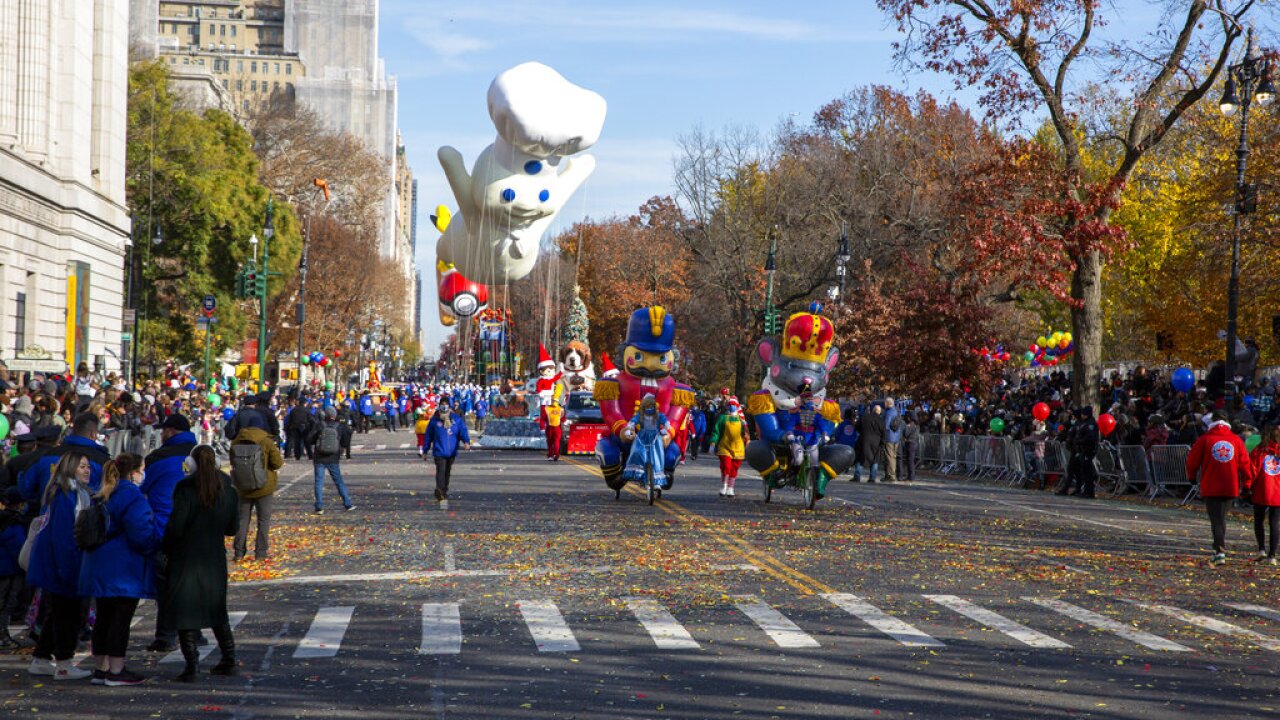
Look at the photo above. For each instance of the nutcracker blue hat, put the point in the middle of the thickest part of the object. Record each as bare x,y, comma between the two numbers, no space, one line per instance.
651,329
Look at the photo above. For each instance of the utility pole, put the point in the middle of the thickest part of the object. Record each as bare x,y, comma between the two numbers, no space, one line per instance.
770,269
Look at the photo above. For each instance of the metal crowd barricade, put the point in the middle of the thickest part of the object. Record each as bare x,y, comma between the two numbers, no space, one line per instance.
1169,471
1107,464
1136,468
949,453
1015,461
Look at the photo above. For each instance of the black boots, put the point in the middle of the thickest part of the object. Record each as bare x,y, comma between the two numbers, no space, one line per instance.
227,646
187,640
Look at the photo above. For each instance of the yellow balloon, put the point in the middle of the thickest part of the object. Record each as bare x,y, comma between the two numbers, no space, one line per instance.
1066,336
1042,342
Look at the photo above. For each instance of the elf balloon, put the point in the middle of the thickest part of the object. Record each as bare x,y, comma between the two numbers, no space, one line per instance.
519,183
648,360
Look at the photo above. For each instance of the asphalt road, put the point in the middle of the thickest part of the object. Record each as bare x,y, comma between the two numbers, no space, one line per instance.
536,594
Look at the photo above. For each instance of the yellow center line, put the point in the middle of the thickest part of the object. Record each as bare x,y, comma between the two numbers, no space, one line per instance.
767,563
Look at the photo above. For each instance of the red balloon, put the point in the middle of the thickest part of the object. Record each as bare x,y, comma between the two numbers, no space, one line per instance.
337,353
1040,411
1106,424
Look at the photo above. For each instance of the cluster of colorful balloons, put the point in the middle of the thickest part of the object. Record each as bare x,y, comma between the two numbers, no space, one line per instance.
1051,350
319,358
997,355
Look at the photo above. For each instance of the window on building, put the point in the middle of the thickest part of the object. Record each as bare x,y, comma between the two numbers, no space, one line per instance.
239,66
191,30
233,31
254,66
277,68
20,322
225,84
239,86
288,87
222,30
213,30
253,85
288,68
245,105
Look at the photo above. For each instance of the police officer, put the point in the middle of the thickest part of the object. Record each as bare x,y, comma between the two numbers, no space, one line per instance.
1082,441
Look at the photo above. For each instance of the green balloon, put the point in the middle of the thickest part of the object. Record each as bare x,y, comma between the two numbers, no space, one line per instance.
328,386
215,399
996,425
4,427
1250,442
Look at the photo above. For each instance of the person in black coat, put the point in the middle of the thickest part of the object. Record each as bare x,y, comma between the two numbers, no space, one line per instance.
297,426
871,441
1082,441
206,510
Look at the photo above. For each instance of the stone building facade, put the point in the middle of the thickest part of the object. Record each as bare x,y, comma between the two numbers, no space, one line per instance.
64,227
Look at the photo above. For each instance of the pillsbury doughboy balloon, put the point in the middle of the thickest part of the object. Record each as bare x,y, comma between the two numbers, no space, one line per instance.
521,181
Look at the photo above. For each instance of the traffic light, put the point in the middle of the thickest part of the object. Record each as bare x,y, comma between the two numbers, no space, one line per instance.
258,283
240,285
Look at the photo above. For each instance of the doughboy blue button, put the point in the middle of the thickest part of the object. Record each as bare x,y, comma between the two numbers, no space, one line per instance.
508,195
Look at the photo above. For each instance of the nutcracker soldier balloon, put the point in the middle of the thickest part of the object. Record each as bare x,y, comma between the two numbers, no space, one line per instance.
791,407
648,360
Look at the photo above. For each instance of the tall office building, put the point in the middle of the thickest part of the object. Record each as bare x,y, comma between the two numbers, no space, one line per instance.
64,227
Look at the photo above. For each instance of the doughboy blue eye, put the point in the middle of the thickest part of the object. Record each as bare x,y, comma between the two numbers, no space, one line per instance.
533,167
544,195
508,195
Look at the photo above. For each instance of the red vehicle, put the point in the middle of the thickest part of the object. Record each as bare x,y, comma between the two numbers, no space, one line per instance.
583,425
460,297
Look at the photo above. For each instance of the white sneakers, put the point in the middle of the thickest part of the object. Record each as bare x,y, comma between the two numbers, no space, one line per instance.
728,491
40,666
71,672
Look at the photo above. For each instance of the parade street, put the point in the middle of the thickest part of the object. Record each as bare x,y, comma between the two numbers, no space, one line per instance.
535,594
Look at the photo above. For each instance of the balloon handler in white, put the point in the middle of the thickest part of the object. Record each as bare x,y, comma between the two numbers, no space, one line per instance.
519,183
650,433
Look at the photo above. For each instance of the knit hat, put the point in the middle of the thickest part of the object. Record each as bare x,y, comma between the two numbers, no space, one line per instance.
608,369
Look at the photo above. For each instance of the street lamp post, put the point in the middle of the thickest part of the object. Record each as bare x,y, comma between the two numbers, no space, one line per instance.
321,186
268,230
770,269
843,256
1247,81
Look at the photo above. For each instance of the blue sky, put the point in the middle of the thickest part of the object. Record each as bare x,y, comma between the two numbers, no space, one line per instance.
663,67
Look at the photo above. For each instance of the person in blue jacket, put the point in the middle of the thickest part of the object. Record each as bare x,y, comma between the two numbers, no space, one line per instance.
847,430
366,412
445,433
119,572
805,430
482,412
82,440
698,423
163,473
13,534
54,567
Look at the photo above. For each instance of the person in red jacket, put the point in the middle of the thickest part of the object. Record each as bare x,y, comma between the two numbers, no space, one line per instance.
1220,458
1264,485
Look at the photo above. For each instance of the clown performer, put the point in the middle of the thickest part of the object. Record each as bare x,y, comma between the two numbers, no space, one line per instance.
654,432
730,438
796,372
648,360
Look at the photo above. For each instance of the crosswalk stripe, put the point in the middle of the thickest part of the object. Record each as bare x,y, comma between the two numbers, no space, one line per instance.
885,623
405,446
176,656
784,632
441,629
547,626
324,638
379,447
1213,625
666,631
1102,622
1258,610
998,622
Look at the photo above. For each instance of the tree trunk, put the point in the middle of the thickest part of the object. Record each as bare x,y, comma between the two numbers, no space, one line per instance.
741,362
1086,330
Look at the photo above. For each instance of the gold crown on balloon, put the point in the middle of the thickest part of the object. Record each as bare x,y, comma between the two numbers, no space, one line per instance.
807,337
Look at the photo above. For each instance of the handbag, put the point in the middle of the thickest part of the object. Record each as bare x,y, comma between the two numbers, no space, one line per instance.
37,524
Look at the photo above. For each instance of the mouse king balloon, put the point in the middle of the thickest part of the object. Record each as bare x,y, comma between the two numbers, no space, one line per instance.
519,183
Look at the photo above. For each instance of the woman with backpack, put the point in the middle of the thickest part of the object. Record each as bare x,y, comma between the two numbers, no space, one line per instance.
54,567
194,593
255,465
118,573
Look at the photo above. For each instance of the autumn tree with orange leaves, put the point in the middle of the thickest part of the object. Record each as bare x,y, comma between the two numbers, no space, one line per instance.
1028,55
